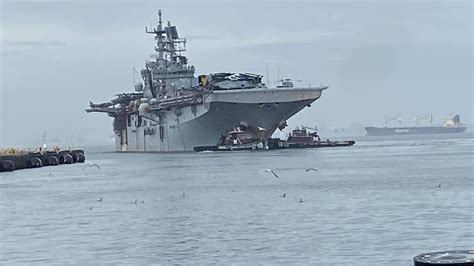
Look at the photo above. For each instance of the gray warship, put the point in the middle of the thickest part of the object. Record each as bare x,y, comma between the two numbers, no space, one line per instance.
173,110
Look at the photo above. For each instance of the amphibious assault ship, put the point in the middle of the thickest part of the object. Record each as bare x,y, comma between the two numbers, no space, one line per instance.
172,110
450,125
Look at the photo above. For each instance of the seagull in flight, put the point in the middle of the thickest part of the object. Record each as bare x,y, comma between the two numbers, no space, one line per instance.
91,165
100,199
311,169
300,200
270,171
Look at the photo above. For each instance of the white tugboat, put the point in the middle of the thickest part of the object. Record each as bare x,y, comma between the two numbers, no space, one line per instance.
172,110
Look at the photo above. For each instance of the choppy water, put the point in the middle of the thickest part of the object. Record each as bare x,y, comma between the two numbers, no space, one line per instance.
375,203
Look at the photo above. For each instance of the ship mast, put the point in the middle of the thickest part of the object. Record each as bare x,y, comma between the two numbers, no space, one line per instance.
168,44
158,32
170,71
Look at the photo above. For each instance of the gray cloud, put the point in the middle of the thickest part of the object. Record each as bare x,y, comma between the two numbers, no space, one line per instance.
203,37
33,44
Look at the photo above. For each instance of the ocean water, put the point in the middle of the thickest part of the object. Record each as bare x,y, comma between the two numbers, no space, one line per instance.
379,202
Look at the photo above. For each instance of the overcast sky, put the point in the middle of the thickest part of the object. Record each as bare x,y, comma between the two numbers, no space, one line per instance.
380,58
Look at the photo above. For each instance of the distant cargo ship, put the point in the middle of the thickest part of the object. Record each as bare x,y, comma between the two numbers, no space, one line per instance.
450,125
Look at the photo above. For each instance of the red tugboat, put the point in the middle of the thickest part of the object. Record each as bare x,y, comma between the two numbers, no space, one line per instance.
240,139
237,139
300,138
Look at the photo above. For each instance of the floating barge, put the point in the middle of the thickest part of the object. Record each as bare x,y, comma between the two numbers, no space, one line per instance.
16,161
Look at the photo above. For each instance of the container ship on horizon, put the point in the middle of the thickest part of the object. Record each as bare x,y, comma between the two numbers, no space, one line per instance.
450,125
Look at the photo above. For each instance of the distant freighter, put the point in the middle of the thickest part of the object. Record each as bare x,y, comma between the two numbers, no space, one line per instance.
450,125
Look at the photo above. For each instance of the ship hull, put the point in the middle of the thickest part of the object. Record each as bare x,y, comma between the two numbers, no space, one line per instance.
390,131
182,129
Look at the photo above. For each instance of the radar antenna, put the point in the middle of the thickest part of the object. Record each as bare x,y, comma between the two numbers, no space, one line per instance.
169,72
315,128
159,17
168,44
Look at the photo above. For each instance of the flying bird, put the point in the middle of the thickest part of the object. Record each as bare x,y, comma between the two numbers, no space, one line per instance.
270,171
301,200
311,169
100,199
91,165
284,195
439,185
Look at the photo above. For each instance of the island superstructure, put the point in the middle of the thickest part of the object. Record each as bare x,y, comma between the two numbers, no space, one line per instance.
172,110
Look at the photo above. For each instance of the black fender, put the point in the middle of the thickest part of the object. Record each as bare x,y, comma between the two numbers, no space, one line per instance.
53,160
34,162
8,166
68,158
80,157
74,157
